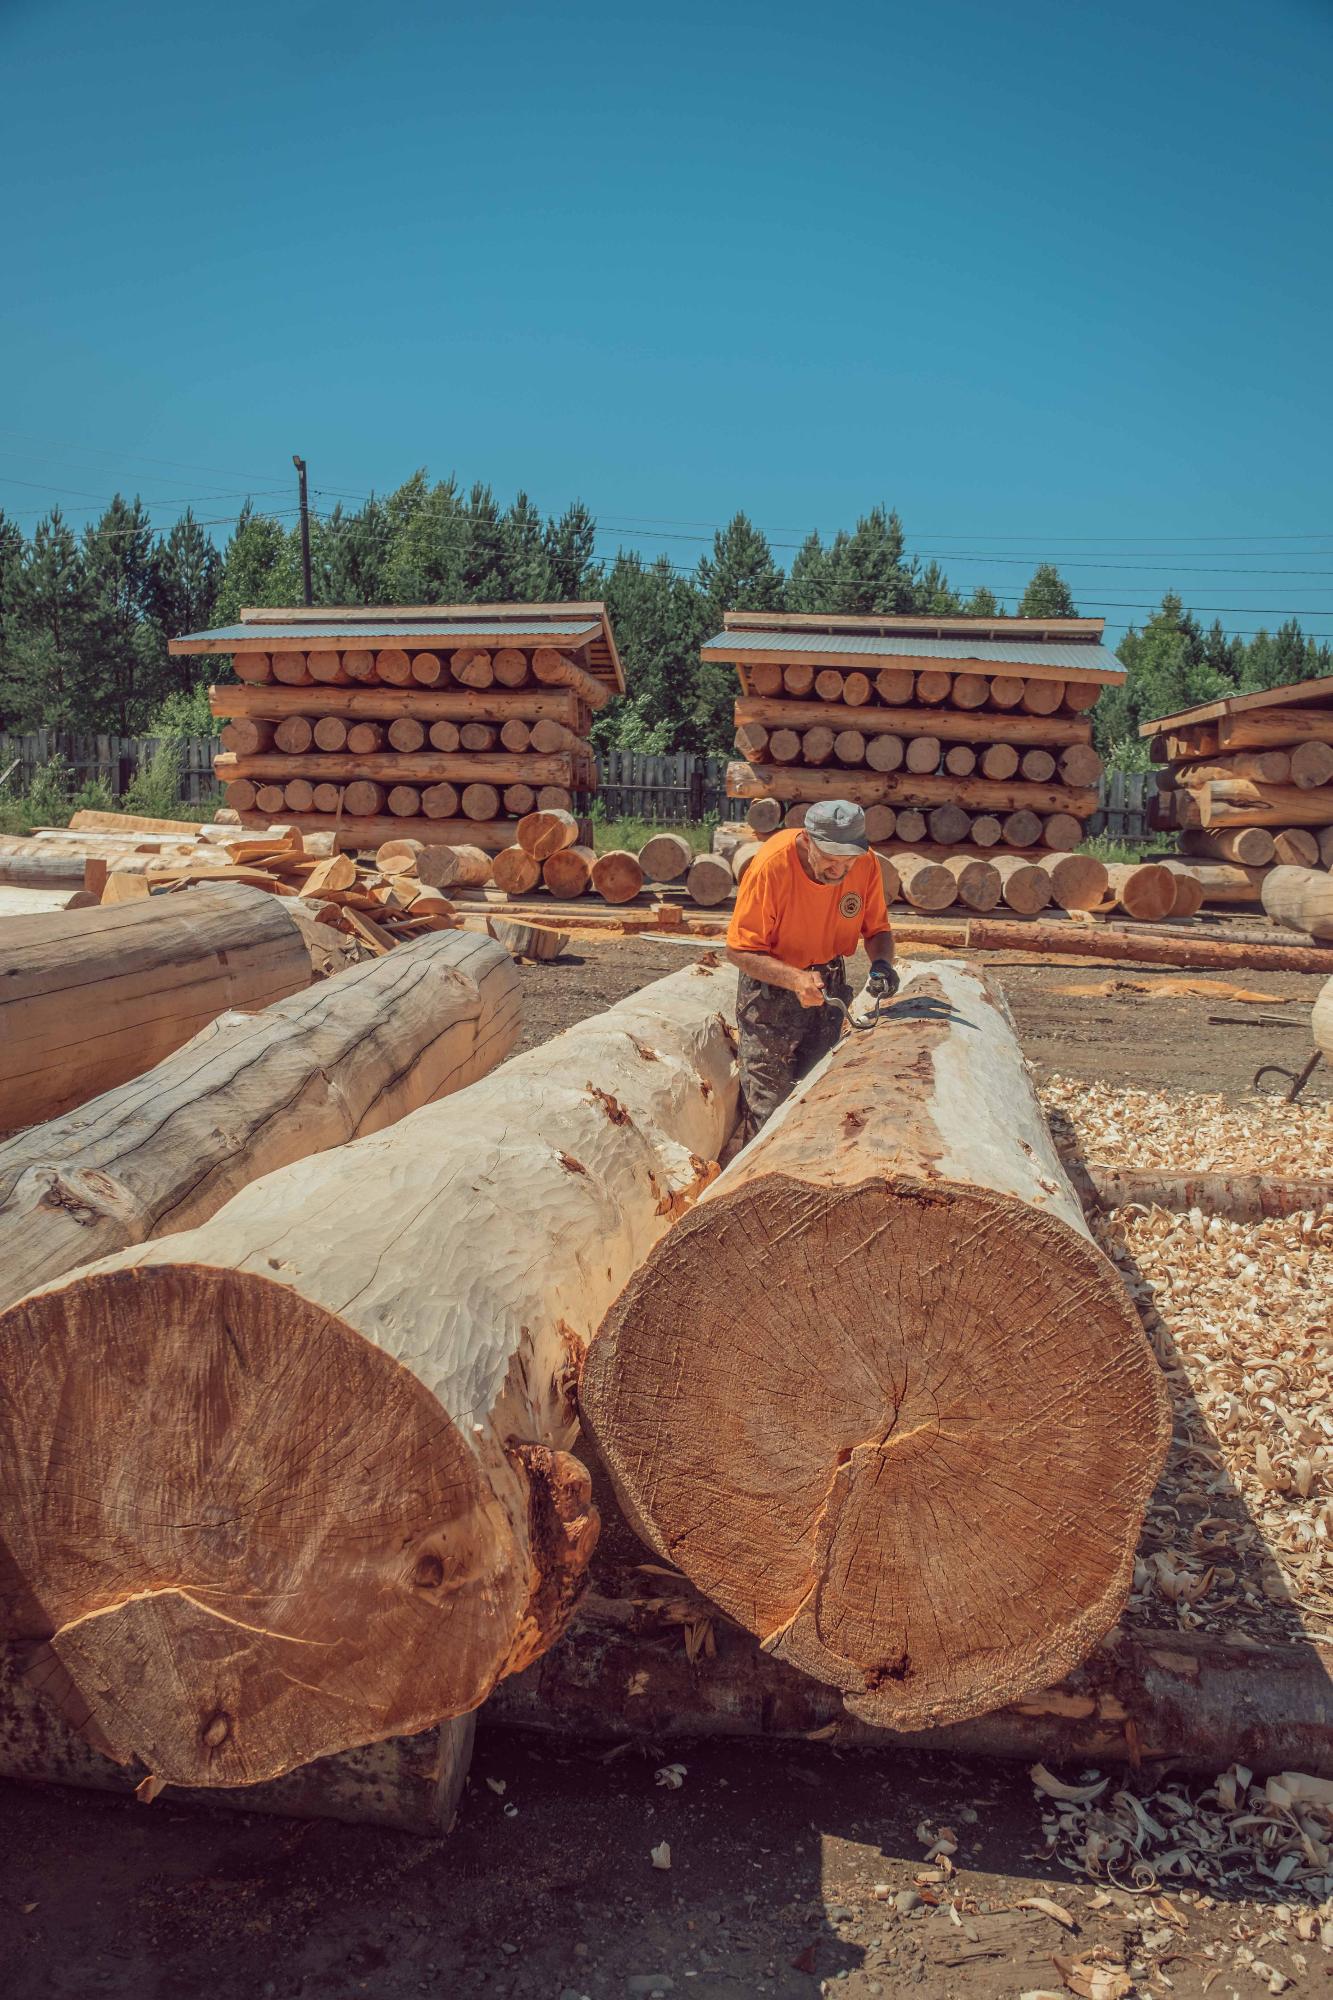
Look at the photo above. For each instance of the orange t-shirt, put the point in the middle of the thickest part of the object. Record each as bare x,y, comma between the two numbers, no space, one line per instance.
779,910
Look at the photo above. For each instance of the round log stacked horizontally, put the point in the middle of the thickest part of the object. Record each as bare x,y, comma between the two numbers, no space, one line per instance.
1249,789
953,763
452,745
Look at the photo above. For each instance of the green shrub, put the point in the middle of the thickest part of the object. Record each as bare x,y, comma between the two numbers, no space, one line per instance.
155,789
48,801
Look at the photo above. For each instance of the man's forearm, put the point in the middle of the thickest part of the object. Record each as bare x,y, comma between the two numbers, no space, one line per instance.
762,965
880,946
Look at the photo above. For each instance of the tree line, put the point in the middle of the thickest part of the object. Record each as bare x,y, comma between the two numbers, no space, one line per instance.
85,619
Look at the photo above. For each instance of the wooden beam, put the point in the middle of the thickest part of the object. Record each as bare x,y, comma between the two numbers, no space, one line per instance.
718,654
352,835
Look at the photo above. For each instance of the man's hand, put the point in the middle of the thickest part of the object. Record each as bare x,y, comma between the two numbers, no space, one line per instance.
808,988
884,978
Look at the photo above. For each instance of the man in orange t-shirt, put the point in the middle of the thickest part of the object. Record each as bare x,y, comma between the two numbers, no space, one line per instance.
805,902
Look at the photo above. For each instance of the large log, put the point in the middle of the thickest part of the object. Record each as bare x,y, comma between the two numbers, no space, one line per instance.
1251,846
1297,847
926,885
355,832
1321,1020
384,703
1139,947
1260,728
1224,882
1143,889
89,998
46,864
1301,898
391,767
1261,767
1239,802
1026,887
950,725
460,867
297,1480
665,858
748,781
251,1093
879,1395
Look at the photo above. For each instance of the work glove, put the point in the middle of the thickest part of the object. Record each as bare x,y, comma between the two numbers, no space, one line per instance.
883,979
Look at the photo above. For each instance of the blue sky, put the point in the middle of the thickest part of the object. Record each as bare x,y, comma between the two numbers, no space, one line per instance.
1051,279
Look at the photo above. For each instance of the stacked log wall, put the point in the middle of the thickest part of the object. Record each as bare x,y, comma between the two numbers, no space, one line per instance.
444,744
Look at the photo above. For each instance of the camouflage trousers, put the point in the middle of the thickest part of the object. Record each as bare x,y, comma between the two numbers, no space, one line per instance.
781,1041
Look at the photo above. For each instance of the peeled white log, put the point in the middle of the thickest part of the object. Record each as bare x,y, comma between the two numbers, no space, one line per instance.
91,997
879,1395
1321,1020
252,1093
296,1480
1301,898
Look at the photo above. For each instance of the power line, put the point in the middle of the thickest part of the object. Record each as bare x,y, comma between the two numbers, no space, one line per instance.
103,451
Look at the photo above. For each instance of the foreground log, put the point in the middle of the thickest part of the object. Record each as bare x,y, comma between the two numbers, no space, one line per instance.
927,1493
89,998
249,1094
297,1480
1301,898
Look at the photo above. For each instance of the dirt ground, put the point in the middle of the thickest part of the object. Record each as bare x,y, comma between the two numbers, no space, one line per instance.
792,1868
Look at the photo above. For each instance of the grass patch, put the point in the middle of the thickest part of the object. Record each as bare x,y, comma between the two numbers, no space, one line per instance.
632,834
1107,847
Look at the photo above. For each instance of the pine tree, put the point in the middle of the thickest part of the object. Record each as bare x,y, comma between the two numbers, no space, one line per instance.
983,603
660,624
739,575
867,569
526,565
484,578
569,554
261,565
935,593
182,589
357,555
124,671
809,581
1047,595
46,638
428,539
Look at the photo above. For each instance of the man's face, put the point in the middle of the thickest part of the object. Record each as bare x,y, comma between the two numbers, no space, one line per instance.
825,867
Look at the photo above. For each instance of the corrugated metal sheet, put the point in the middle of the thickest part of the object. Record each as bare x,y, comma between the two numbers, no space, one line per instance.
872,645
408,628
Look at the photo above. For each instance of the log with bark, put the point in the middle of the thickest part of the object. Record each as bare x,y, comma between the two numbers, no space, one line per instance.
355,831
978,881
1189,890
1142,889
926,885
1301,898
89,998
1240,1197
764,815
879,1395
1137,946
298,1479
515,871
545,833
419,767
250,1093
1026,887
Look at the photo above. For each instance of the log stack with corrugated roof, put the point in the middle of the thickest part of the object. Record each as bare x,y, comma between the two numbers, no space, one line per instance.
964,738
1246,785
446,723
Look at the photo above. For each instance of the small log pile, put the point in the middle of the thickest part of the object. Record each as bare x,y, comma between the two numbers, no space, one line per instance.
371,722
1246,784
957,750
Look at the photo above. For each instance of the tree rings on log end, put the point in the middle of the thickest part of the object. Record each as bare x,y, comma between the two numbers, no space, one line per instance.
253,1536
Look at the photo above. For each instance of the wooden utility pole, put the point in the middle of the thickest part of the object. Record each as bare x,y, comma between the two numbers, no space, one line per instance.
308,596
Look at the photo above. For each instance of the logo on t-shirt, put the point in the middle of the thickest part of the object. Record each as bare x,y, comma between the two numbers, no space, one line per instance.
850,906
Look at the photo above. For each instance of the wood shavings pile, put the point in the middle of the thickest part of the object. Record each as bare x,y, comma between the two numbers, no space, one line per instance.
1240,1835
1239,1536
1189,1132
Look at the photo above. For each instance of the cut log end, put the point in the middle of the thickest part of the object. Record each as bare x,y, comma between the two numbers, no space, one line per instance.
381,1556
922,1484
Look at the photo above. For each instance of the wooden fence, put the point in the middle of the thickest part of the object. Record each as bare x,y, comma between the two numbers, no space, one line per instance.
677,788
114,759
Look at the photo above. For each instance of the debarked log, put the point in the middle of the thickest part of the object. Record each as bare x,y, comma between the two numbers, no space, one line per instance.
298,1479
880,1396
249,1094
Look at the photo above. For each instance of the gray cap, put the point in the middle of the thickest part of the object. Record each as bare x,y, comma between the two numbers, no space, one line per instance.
836,826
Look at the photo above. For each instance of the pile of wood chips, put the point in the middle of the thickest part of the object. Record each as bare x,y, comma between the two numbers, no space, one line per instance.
1239,1537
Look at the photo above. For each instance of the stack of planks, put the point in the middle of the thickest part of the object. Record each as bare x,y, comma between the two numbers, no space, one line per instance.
975,771
376,722
1246,784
